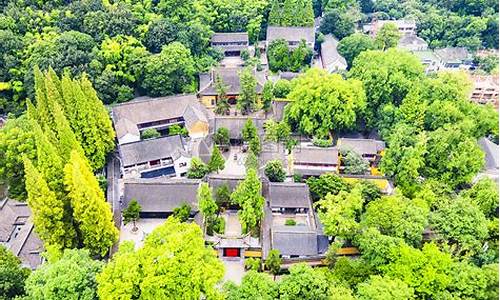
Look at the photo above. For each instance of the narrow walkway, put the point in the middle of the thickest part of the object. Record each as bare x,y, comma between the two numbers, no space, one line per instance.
233,226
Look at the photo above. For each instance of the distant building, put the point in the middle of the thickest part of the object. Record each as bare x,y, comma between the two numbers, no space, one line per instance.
17,233
314,161
370,149
294,231
412,42
231,77
292,35
231,43
331,60
165,156
454,58
491,159
405,27
158,198
132,118
485,89
235,124
429,60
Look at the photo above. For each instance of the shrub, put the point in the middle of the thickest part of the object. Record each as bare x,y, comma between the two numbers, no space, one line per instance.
319,142
281,88
182,212
221,136
198,169
150,133
252,264
290,222
274,171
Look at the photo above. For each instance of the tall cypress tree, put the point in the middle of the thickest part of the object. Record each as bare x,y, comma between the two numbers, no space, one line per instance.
90,211
48,211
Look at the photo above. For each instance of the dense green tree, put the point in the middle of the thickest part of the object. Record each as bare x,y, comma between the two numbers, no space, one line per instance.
354,163
91,212
427,271
338,22
379,288
274,171
387,77
387,36
248,196
339,213
221,137
206,202
281,58
193,269
328,183
169,72
150,133
398,217
217,161
249,130
267,96
254,285
317,96
70,276
131,213
291,13
351,46
376,248
281,88
48,210
273,262
197,169
303,283
460,224
484,193
247,100
223,195
222,105
12,273
16,142
452,156
251,161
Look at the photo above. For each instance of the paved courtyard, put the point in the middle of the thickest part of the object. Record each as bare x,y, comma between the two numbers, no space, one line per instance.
234,166
234,270
233,226
145,227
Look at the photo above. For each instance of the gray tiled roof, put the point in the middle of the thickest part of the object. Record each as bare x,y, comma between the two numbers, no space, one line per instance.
295,242
290,34
289,195
161,195
220,37
25,243
216,180
317,155
490,150
235,124
230,77
361,146
411,39
329,53
127,115
152,149
453,54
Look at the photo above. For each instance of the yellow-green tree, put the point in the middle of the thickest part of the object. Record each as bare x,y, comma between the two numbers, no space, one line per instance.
48,210
90,211
174,261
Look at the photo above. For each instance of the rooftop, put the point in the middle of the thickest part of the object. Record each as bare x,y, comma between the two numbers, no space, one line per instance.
235,124
329,53
231,78
152,149
127,116
295,240
161,195
318,155
453,54
289,195
361,146
290,34
411,40
220,37
491,155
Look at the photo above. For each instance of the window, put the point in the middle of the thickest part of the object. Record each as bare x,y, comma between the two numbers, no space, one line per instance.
182,164
154,162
